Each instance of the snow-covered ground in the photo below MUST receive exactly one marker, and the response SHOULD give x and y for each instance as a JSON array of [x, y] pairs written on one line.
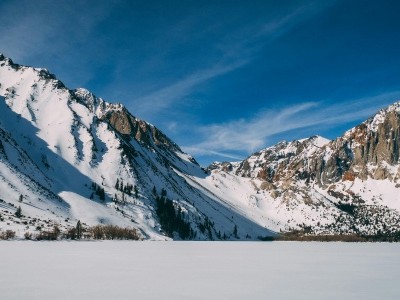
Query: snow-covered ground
[[198, 270]]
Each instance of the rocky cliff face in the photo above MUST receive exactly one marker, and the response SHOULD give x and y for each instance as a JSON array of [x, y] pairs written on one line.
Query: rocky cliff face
[[375, 145], [360, 170], [125, 123], [370, 150]]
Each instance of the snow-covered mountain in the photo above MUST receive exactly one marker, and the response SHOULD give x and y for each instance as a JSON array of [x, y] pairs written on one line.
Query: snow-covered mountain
[[348, 185], [67, 155]]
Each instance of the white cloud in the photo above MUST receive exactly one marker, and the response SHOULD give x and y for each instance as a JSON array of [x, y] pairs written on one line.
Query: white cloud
[[248, 135], [206, 152]]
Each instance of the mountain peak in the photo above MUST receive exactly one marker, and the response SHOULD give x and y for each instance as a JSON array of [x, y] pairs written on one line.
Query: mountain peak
[[6, 59], [95, 104], [372, 123], [317, 140], [380, 115], [87, 98]]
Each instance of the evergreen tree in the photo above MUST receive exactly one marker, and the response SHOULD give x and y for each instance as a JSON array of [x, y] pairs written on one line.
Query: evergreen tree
[[172, 220], [18, 213], [117, 184], [129, 188], [21, 198], [136, 191], [235, 232], [79, 230], [56, 232]]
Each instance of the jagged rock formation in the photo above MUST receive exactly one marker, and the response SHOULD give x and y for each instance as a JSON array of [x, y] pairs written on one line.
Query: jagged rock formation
[[356, 175]]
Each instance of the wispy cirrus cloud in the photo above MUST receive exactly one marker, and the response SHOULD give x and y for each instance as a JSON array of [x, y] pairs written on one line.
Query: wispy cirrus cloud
[[164, 97], [237, 50], [249, 135], [53, 33], [32, 28]]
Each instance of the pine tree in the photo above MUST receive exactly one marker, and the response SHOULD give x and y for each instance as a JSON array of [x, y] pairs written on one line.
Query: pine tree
[[102, 194], [136, 191], [21, 198], [18, 213], [56, 232], [117, 184], [79, 230], [235, 232]]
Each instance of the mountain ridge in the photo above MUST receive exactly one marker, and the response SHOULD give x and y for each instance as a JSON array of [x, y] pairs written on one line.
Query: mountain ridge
[[67, 155], [360, 170], [77, 141]]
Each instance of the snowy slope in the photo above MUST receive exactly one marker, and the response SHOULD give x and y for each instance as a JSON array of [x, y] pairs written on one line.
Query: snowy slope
[[56, 144], [349, 185]]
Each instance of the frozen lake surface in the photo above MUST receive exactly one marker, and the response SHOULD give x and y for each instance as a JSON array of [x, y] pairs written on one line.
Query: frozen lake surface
[[199, 270]]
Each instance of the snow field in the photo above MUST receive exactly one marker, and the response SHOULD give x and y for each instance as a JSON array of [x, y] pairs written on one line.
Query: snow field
[[198, 270]]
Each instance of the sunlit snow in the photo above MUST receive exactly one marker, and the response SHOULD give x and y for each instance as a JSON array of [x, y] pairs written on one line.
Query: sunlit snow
[[198, 270]]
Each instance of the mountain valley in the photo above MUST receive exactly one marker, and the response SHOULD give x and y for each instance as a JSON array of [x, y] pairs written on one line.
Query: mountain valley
[[68, 156]]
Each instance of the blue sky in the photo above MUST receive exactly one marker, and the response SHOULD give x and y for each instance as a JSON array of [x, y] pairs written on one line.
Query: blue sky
[[221, 78]]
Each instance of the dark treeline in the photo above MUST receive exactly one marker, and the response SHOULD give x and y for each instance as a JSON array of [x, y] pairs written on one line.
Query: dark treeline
[[299, 235], [172, 219], [99, 191], [127, 188]]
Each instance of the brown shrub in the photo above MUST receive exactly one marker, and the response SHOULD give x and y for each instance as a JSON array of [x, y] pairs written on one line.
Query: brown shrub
[[7, 235], [112, 232]]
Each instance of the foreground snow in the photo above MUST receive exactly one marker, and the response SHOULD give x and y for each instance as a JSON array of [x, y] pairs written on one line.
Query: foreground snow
[[198, 270]]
